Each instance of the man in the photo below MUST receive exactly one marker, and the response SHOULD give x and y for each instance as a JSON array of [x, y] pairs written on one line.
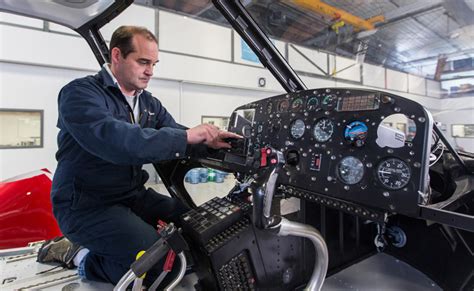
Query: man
[[110, 126]]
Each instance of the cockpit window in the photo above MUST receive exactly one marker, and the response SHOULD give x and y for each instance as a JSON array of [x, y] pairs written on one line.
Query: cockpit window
[[422, 50]]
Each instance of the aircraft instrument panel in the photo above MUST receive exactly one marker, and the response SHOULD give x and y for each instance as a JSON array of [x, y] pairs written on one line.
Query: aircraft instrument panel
[[365, 152]]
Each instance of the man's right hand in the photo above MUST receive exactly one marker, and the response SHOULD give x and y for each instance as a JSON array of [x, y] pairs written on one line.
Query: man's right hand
[[210, 135]]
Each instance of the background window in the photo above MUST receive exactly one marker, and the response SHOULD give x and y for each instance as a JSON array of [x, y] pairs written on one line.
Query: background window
[[21, 128], [463, 130]]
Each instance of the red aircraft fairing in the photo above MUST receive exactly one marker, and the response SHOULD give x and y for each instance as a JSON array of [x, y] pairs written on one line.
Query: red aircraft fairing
[[25, 210]]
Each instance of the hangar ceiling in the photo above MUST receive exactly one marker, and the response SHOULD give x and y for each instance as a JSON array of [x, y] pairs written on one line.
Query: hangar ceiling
[[412, 35]]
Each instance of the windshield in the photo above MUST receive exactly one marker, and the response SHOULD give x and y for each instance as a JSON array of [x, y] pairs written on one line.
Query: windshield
[[422, 50]]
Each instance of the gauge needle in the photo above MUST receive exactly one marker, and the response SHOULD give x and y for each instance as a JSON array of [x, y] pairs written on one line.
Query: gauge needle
[[385, 172]]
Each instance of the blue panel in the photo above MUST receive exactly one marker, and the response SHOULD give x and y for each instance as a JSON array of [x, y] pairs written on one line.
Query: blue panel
[[247, 53]]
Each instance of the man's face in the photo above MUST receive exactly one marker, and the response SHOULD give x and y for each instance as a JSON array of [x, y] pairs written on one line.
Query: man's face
[[134, 71]]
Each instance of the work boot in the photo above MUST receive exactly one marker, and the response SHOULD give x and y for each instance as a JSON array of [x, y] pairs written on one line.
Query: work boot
[[60, 250]]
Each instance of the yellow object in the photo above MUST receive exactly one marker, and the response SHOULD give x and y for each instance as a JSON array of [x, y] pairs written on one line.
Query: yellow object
[[337, 25], [138, 256], [335, 13]]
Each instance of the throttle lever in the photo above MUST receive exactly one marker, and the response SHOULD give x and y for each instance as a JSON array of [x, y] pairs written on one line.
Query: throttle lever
[[264, 185]]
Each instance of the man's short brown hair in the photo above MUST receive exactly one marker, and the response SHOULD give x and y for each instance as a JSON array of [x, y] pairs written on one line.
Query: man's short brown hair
[[123, 36]]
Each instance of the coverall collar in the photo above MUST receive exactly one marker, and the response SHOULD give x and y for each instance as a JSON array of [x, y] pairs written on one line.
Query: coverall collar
[[110, 79]]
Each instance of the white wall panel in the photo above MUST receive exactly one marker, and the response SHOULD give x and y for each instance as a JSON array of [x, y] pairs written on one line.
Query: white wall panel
[[39, 90], [44, 48], [450, 115], [416, 85], [344, 68], [397, 81], [373, 76], [168, 92], [199, 100], [281, 46], [190, 36], [61, 28], [433, 88], [300, 63], [204, 71], [133, 15], [21, 20], [315, 83]]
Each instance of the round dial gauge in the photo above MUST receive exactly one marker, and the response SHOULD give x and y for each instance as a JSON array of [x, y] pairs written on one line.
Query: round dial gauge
[[297, 104], [297, 128], [329, 102], [393, 173], [350, 170], [356, 133], [323, 130], [269, 107], [283, 106], [312, 104]]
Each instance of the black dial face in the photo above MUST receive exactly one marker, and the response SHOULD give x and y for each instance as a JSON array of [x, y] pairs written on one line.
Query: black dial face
[[312, 104], [323, 130], [297, 104], [297, 128], [269, 107], [350, 170], [283, 106], [393, 173], [329, 102]]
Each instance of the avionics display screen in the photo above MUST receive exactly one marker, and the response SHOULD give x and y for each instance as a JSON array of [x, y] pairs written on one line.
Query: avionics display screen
[[358, 103]]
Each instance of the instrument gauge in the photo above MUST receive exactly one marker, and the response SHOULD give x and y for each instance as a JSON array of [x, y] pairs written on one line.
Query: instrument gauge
[[329, 102], [393, 173], [323, 130], [297, 104], [312, 104], [350, 170], [269, 107], [297, 128], [283, 106], [356, 133]]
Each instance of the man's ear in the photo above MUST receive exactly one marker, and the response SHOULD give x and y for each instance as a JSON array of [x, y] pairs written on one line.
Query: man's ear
[[116, 54]]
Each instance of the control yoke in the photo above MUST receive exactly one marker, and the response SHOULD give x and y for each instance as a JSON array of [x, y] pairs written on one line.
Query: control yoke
[[263, 190]]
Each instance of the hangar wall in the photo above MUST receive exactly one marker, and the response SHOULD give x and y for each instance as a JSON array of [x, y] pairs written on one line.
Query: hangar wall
[[198, 74]]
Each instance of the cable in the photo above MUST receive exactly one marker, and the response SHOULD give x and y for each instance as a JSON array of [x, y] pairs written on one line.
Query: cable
[[435, 143], [439, 157]]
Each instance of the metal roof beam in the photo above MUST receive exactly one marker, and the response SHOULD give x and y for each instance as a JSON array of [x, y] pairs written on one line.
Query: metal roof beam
[[411, 10]]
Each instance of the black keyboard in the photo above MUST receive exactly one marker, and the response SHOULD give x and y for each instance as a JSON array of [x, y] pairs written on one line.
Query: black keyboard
[[237, 274], [210, 219]]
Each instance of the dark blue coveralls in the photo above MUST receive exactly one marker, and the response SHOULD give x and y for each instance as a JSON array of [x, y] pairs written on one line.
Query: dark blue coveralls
[[98, 193]]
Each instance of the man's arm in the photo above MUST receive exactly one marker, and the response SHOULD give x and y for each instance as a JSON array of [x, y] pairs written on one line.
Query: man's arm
[[87, 118], [201, 139]]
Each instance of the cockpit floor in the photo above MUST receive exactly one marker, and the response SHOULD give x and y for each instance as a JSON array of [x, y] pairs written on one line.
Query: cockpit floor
[[19, 270]]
